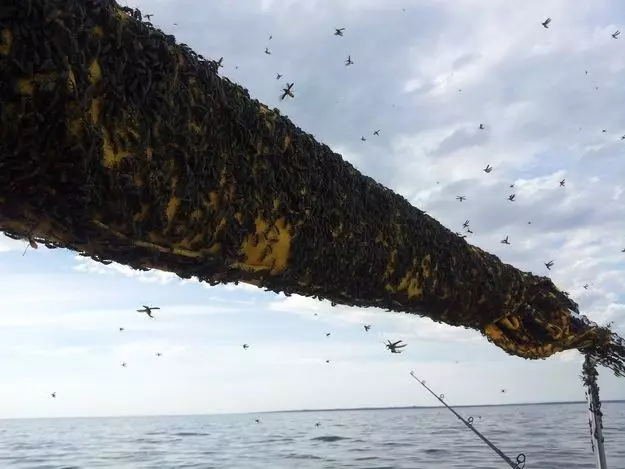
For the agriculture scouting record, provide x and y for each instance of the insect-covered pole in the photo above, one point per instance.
(125, 146)
(595, 422)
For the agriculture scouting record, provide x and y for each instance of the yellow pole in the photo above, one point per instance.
(118, 143)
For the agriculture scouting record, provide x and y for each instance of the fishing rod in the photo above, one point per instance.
(520, 459)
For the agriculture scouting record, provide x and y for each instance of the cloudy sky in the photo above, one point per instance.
(427, 73)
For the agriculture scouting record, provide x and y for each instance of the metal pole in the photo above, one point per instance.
(594, 407)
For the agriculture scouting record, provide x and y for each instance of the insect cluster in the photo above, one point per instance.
(123, 145)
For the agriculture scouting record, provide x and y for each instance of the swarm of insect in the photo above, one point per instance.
(119, 143)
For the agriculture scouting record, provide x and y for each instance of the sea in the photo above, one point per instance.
(550, 436)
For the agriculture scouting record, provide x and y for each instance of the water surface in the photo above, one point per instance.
(551, 436)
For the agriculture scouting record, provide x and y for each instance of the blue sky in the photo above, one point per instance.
(60, 314)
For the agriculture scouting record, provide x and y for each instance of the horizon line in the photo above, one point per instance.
(337, 409)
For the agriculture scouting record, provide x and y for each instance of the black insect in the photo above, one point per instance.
(505, 240)
(245, 346)
(585, 286)
(461, 198)
(481, 126)
(377, 132)
(562, 182)
(616, 34)
(149, 16)
(220, 62)
(367, 327)
(257, 420)
(503, 391)
(546, 23)
(327, 334)
(339, 31)
(348, 62)
(148, 310)
(395, 347)
(511, 197)
(121, 329)
(488, 169)
(53, 394)
(363, 139)
(317, 424)
(267, 51)
(288, 91)
(460, 235)
(278, 76)
(465, 224)
(124, 365)
(469, 231)
(549, 265)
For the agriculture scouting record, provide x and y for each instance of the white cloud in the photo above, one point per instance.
(8, 244)
(409, 325)
(88, 265)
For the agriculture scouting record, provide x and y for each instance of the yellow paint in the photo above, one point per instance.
(493, 332)
(286, 143)
(561, 339)
(6, 41)
(71, 80)
(121, 15)
(390, 268)
(280, 241)
(142, 214)
(511, 322)
(414, 289)
(98, 31)
(555, 331)
(221, 224)
(25, 86)
(213, 199)
(111, 158)
(172, 206)
(95, 72)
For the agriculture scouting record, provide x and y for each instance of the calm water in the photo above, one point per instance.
(553, 436)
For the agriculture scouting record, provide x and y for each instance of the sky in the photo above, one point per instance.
(426, 74)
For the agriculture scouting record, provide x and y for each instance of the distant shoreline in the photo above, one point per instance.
(293, 411)
(353, 409)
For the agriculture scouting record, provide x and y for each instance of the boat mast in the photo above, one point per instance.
(594, 407)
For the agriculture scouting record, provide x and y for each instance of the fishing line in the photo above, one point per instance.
(520, 459)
